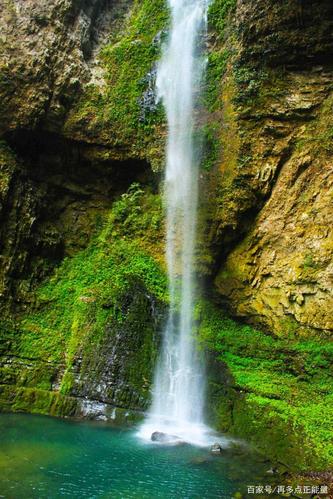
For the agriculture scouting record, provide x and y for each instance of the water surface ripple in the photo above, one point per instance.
(51, 458)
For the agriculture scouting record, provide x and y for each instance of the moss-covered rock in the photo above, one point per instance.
(269, 205)
(122, 112)
(34, 400)
(269, 189)
(274, 391)
(82, 281)
(94, 329)
(280, 270)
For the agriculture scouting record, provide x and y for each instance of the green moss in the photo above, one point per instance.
(318, 134)
(86, 291)
(309, 261)
(139, 215)
(36, 401)
(218, 13)
(115, 110)
(67, 383)
(250, 83)
(289, 327)
(216, 67)
(208, 135)
(280, 390)
(218, 56)
(99, 295)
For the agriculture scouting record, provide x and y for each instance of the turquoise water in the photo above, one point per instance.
(44, 457)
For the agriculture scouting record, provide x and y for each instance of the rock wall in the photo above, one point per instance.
(270, 218)
(69, 197)
(83, 287)
(54, 191)
(266, 223)
(47, 52)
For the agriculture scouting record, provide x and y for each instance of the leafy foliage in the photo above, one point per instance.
(128, 60)
(217, 63)
(290, 378)
(218, 15)
(86, 290)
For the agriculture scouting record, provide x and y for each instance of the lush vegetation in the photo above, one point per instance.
(279, 384)
(276, 391)
(81, 287)
(218, 13)
(118, 111)
(89, 293)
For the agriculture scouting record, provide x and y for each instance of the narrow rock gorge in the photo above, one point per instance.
(83, 286)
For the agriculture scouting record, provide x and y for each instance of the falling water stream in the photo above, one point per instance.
(178, 395)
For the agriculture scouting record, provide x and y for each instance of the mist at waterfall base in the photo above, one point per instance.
(179, 385)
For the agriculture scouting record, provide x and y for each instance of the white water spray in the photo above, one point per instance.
(178, 396)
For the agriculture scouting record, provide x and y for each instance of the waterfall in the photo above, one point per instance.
(178, 395)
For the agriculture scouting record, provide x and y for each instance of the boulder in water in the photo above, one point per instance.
(159, 436)
(216, 448)
(272, 471)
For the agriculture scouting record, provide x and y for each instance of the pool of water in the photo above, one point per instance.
(44, 457)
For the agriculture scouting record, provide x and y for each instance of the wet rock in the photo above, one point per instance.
(50, 72)
(148, 102)
(216, 448)
(272, 471)
(91, 409)
(159, 436)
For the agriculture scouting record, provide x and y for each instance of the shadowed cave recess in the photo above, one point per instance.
(60, 190)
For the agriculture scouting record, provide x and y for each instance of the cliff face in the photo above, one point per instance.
(48, 54)
(83, 290)
(67, 214)
(275, 185)
(270, 191)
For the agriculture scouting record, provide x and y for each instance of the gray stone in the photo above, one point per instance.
(216, 448)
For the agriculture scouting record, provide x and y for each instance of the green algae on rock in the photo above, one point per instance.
(82, 284)
(94, 328)
(276, 390)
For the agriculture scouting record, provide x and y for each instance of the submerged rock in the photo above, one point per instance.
(200, 460)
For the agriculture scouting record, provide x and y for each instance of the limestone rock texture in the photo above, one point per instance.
(83, 290)
(58, 186)
(282, 271)
(47, 54)
(271, 223)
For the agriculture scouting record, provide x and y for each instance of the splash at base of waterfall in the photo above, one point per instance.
(176, 431)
